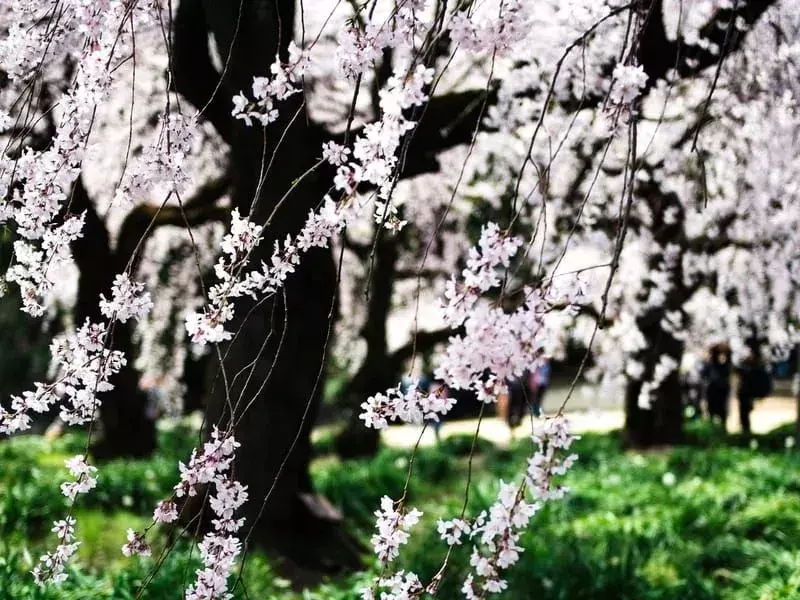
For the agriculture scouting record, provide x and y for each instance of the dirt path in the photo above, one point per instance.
(766, 416)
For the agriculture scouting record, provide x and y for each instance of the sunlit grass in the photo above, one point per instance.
(703, 521)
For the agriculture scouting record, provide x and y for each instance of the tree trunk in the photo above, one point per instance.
(660, 425)
(378, 372)
(126, 430)
(271, 383)
(796, 392)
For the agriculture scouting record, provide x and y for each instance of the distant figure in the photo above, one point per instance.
(437, 387)
(755, 382)
(538, 382)
(426, 385)
(691, 375)
(55, 429)
(717, 378)
(152, 387)
(518, 396)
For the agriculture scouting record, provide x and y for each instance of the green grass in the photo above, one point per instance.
(713, 519)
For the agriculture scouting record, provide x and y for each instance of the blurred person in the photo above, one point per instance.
(437, 387)
(538, 382)
(502, 403)
(691, 376)
(717, 380)
(755, 382)
(519, 395)
(152, 387)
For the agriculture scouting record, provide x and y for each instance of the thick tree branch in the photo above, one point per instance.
(658, 54)
(92, 254)
(357, 248)
(423, 273)
(423, 342)
(144, 218)
(194, 74)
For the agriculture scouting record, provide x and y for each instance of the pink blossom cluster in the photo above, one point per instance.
(400, 586)
(627, 84)
(496, 345)
(128, 300)
(52, 565)
(495, 249)
(86, 365)
(35, 29)
(374, 161)
(358, 48)
(553, 437)
(393, 524)
(89, 30)
(136, 545)
(166, 511)
(204, 467)
(208, 327)
(335, 154)
(496, 532)
(219, 547)
(84, 474)
(497, 33)
(161, 166)
(85, 362)
(453, 530)
(411, 406)
(284, 83)
(35, 266)
(376, 150)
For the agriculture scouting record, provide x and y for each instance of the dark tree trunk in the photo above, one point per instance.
(270, 385)
(126, 430)
(378, 372)
(796, 391)
(662, 423)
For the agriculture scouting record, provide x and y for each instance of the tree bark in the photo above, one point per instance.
(126, 430)
(377, 373)
(272, 375)
(662, 423)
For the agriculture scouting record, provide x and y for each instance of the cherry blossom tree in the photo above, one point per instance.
(228, 178)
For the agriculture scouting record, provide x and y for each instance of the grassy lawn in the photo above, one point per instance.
(709, 520)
